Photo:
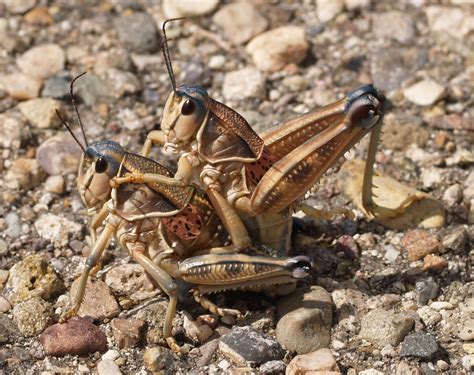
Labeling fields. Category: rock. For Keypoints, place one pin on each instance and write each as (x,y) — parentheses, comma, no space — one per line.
(77,336)
(429,316)
(159,359)
(138,32)
(357,4)
(420,243)
(328,10)
(394,25)
(19,6)
(434,262)
(56,229)
(188,8)
(32,316)
(12,221)
(39,16)
(391,253)
(59,155)
(382,327)
(4,305)
(426,289)
(196,330)
(468,191)
(32,277)
(424,93)
(420,345)
(54,184)
(21,87)
(57,87)
(13,131)
(24,174)
(315,362)
(451,20)
(273,367)
(108,367)
(111,354)
(154,315)
(350,302)
(306,319)
(466,330)
(370,371)
(441,305)
(98,301)
(432,177)
(244,83)
(117,58)
(131,280)
(92,90)
(240,21)
(127,332)
(8,329)
(453,195)
(274,49)
(455,238)
(216,62)
(468,362)
(462,158)
(122,83)
(244,345)
(42,61)
(41,112)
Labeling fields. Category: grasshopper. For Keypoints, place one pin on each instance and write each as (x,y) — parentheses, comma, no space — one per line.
(140,215)
(261,177)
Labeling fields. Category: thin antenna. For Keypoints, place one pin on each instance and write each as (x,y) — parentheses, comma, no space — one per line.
(71,92)
(66,125)
(166,52)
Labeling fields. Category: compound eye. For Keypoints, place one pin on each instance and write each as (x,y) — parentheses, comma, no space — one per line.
(367,116)
(188,107)
(101,165)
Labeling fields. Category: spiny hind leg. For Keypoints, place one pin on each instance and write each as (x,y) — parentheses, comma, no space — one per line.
(325,214)
(212,307)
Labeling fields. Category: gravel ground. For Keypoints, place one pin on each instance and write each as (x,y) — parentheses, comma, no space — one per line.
(379,301)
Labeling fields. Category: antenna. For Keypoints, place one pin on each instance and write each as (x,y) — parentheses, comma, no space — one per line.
(71,93)
(66,125)
(166,51)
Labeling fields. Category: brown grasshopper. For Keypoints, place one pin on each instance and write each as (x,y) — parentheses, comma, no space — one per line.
(261,177)
(139,215)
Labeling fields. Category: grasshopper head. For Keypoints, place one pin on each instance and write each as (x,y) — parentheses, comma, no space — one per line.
(185,111)
(365,107)
(99,164)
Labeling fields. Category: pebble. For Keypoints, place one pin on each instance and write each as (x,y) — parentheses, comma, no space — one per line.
(274,49)
(432,177)
(122,83)
(32,316)
(468,362)
(13,130)
(59,155)
(12,220)
(371,371)
(127,332)
(42,61)
(319,360)
(244,83)
(451,20)
(405,368)
(328,10)
(453,195)
(382,327)
(160,359)
(391,253)
(39,16)
(24,174)
(394,25)
(21,87)
(56,229)
(349,302)
(19,6)
(131,280)
(305,320)
(108,367)
(468,191)
(419,345)
(434,262)
(455,238)
(77,336)
(426,289)
(273,367)
(117,58)
(466,330)
(188,8)
(196,330)
(8,329)
(244,346)
(4,305)
(41,112)
(91,89)
(128,119)
(419,243)
(154,315)
(240,22)
(138,32)
(98,301)
(57,87)
(217,62)
(424,93)
(429,316)
(55,184)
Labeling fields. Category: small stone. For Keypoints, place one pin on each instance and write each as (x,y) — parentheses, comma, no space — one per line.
(41,112)
(54,184)
(320,361)
(138,32)
(127,332)
(108,367)
(468,362)
(370,371)
(154,315)
(434,262)
(394,25)
(4,305)
(131,280)
(420,243)
(59,155)
(468,191)
(24,174)
(328,10)
(92,90)
(56,229)
(273,367)
(244,345)
(39,16)
(14,131)
(455,238)
(274,49)
(77,336)
(244,83)
(420,345)
(21,87)
(12,220)
(32,316)
(129,119)
(195,330)
(240,21)
(432,177)
(159,359)
(441,305)
(216,62)
(429,316)
(452,20)
(453,195)
(382,327)
(306,319)
(42,61)
(57,87)
(117,58)
(442,365)
(188,8)
(404,368)
(122,83)
(111,354)
(426,289)
(466,330)
(391,253)
(8,329)
(424,93)
(3,251)
(19,6)
(98,301)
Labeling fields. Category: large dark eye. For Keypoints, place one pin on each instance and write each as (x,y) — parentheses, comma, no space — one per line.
(366,116)
(188,107)
(101,165)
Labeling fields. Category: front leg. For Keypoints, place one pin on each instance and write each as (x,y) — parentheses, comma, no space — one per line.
(155,137)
